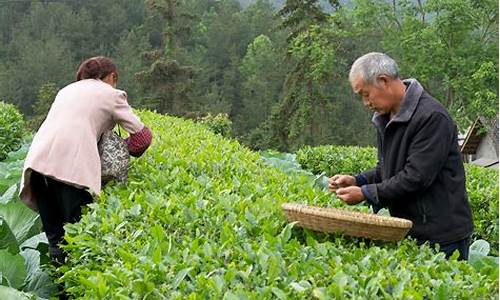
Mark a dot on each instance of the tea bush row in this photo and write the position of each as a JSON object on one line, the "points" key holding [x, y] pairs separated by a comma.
{"points": [[481, 183], [200, 218]]}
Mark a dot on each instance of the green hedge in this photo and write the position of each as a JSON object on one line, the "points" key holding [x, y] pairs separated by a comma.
{"points": [[200, 218], [481, 183], [24, 260], [219, 123], [482, 188], [12, 129], [337, 159]]}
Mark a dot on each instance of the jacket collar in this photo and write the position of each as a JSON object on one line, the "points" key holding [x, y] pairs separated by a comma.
{"points": [[408, 105]]}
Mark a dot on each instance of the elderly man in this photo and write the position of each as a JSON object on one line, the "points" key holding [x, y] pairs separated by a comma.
{"points": [[419, 175]]}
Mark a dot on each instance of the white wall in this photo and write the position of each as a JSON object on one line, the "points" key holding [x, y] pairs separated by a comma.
{"points": [[486, 148]]}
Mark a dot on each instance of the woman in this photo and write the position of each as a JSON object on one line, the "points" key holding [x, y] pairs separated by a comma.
{"points": [[62, 170]]}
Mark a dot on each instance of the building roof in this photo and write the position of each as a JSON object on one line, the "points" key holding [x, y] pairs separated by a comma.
{"points": [[479, 129]]}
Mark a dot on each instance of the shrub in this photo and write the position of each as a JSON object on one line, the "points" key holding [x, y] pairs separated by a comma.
{"points": [[12, 129], [481, 183], [200, 219], [333, 160], [482, 188], [219, 124], [24, 260]]}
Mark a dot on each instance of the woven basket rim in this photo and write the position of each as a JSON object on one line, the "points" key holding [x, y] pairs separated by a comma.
{"points": [[347, 215]]}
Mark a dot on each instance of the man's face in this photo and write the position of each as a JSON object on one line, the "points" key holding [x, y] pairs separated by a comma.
{"points": [[376, 97]]}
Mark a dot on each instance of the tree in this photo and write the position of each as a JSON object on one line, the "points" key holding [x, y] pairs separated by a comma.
{"points": [[129, 62], [260, 17], [96, 26], [224, 35], [296, 119], [46, 41], [11, 13], [278, 68], [262, 82], [45, 97], [38, 61], [298, 15], [170, 80], [445, 44]]}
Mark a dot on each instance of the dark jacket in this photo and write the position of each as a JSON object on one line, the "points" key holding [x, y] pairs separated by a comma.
{"points": [[420, 174]]}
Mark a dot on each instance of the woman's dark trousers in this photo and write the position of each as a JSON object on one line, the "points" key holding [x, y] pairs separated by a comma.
{"points": [[58, 204]]}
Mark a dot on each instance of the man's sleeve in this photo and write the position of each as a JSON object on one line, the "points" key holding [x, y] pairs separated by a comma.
{"points": [[365, 178], [426, 156], [371, 176]]}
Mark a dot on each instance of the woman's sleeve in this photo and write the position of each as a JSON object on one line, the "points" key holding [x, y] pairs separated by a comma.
{"points": [[123, 114], [140, 136], [138, 142]]}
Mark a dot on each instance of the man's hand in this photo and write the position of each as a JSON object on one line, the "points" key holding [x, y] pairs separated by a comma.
{"points": [[350, 195], [340, 181]]}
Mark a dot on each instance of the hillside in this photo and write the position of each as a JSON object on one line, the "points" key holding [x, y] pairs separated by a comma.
{"points": [[200, 218]]}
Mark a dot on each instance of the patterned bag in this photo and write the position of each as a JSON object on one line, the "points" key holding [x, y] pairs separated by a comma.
{"points": [[115, 157]]}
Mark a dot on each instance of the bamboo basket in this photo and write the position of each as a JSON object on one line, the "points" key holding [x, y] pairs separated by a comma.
{"points": [[347, 222]]}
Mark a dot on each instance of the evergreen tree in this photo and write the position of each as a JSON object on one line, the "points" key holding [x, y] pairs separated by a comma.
{"points": [[37, 61], [170, 80], [298, 118], [277, 68], [45, 97], [225, 37], [263, 79], [129, 62]]}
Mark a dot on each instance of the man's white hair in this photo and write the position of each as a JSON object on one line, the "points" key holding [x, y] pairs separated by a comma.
{"points": [[371, 65]]}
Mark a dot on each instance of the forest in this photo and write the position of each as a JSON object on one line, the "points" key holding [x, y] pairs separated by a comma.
{"points": [[202, 214], [277, 69]]}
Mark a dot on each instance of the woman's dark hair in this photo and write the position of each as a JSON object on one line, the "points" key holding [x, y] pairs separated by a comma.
{"points": [[96, 68]]}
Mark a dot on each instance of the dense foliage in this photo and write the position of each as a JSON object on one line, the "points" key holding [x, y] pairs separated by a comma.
{"points": [[200, 218], [482, 188], [200, 215], [23, 247], [278, 68], [220, 124], [12, 129], [482, 184], [45, 97], [337, 159]]}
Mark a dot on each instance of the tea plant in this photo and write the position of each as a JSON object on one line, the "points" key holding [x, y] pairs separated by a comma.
{"points": [[482, 189], [219, 123], [200, 218], [23, 246], [337, 159], [481, 183], [12, 129]]}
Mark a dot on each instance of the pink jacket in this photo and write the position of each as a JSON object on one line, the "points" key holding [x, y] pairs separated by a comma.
{"points": [[65, 146]]}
